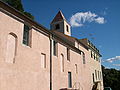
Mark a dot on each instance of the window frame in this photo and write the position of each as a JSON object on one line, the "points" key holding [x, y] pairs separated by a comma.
{"points": [[27, 35], [13, 35], [76, 68], [91, 54], [67, 28], [93, 75], [57, 26], [68, 54], [96, 74], [44, 61], [69, 80], [55, 47], [83, 57], [62, 63]]}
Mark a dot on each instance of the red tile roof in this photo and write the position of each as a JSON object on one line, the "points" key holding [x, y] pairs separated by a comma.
{"points": [[69, 39]]}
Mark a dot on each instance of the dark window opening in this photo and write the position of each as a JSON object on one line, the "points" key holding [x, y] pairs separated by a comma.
{"points": [[69, 80], [68, 54], [55, 48], [96, 74], [57, 26], [26, 35], [94, 56], [91, 54], [83, 58], [93, 78], [67, 28]]}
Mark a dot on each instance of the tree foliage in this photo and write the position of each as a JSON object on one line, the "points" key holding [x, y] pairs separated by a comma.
{"points": [[18, 5], [29, 15], [111, 78]]}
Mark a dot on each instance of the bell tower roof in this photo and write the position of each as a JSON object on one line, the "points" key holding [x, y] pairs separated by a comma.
{"points": [[58, 17], [60, 24]]}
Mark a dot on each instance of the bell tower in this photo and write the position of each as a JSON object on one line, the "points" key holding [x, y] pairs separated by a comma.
{"points": [[60, 24]]}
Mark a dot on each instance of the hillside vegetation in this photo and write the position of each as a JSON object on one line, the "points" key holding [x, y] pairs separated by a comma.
{"points": [[111, 78]]}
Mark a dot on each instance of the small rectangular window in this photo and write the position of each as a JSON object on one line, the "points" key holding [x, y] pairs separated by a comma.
{"points": [[68, 54], [69, 80], [83, 55], [62, 62], [67, 28], [76, 68], [96, 74], [57, 26], [94, 55], [91, 54], [55, 48], [43, 60], [93, 78], [97, 58], [26, 35]]}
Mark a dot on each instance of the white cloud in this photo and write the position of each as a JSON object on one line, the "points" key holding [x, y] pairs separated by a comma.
{"points": [[80, 18], [100, 20], [116, 58], [116, 65]]}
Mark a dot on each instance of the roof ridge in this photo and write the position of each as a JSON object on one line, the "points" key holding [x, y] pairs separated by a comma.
{"points": [[59, 17]]}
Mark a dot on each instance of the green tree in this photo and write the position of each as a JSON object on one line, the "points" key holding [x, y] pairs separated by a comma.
{"points": [[29, 15], [111, 78], [15, 4], [18, 6]]}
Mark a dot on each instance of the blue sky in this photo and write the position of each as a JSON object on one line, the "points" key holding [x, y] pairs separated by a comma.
{"points": [[98, 20]]}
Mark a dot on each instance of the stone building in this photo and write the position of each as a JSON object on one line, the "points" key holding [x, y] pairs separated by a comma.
{"points": [[35, 58]]}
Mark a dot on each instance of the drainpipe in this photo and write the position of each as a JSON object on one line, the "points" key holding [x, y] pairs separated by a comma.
{"points": [[50, 62]]}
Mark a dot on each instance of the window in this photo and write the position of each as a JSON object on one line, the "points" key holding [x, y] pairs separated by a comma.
{"points": [[91, 54], [55, 48], [94, 55], [26, 35], [57, 26], [96, 74], [97, 58], [11, 48], [68, 54], [62, 62], [69, 80], [93, 78], [67, 28], [76, 68], [43, 60], [83, 55]]}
